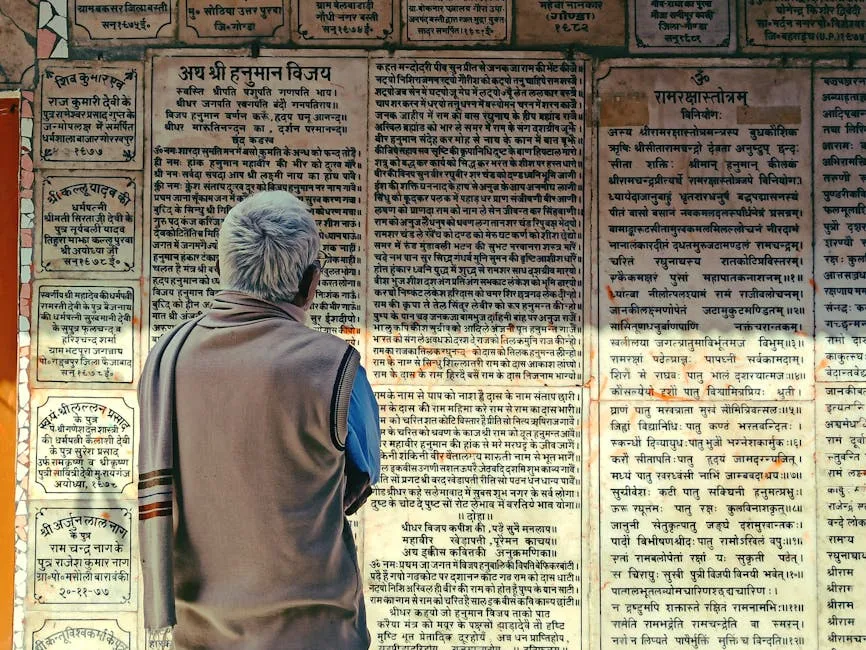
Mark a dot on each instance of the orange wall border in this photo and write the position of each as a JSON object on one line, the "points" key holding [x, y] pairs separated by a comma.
{"points": [[10, 138]]}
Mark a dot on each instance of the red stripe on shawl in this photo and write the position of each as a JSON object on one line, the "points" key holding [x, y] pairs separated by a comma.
{"points": [[165, 480], [154, 506], [156, 513]]}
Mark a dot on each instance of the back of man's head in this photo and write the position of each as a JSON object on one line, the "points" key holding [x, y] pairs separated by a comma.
{"points": [[266, 243]]}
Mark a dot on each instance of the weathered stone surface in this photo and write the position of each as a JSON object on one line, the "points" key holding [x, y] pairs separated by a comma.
{"points": [[17, 41]]}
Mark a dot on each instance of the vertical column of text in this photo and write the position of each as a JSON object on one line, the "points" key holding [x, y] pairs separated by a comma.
{"points": [[840, 323], [707, 513], [476, 230]]}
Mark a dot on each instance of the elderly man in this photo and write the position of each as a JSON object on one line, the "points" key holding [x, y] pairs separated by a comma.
{"points": [[267, 433]]}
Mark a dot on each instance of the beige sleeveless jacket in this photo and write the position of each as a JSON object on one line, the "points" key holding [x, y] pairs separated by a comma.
{"points": [[264, 557]]}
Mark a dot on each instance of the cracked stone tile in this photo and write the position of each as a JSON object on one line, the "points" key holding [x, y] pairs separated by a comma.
{"points": [[45, 41], [58, 25], [60, 7], [46, 13], [61, 51]]}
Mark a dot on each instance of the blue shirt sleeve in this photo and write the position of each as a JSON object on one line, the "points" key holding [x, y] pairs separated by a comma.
{"points": [[364, 436]]}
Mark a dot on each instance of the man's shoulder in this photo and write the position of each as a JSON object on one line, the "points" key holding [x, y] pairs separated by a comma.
{"points": [[303, 330], [291, 336], [166, 338]]}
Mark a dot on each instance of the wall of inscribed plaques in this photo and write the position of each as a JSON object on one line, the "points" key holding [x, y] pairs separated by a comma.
{"points": [[612, 307]]}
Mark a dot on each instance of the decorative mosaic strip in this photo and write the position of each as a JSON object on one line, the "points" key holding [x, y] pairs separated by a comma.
{"points": [[27, 215], [52, 37]]}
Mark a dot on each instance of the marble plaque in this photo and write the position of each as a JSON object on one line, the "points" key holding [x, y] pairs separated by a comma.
{"points": [[121, 20], [798, 26], [103, 631], [705, 253], [84, 333], [83, 445], [90, 115], [89, 225], [456, 22], [344, 23], [694, 26], [234, 21], [82, 555], [583, 22]]}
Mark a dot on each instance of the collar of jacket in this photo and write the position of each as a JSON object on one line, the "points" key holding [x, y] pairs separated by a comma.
{"points": [[231, 308]]}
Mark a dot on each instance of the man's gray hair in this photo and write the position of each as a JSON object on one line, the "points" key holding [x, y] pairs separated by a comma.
{"points": [[266, 243]]}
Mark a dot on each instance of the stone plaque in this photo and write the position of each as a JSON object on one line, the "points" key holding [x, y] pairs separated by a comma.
{"points": [[707, 515], [85, 333], [704, 279], [477, 220], [226, 127], [83, 556], [83, 445], [841, 499], [453, 22], [481, 501], [694, 26], [586, 22], [89, 224], [341, 22], [65, 632], [90, 115], [803, 25], [234, 20], [99, 20]]}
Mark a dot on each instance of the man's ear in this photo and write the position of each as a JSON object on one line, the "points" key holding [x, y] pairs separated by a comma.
{"points": [[307, 287]]}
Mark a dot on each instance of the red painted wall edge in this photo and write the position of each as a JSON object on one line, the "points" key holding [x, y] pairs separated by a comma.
{"points": [[9, 164]]}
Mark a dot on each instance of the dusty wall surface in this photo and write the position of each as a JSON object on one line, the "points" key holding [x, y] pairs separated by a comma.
{"points": [[604, 261]]}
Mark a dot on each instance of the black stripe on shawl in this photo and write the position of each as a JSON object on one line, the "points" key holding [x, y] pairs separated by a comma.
{"points": [[155, 473], [165, 480]]}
